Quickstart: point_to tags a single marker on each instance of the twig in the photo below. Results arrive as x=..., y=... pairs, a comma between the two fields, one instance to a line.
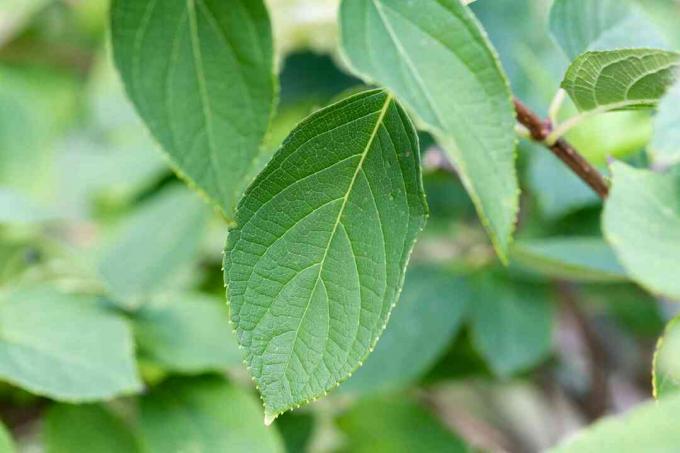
x=540, y=130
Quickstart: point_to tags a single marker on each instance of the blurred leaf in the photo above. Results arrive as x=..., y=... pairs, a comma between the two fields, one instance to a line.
x=212, y=110
x=313, y=274
x=666, y=370
x=87, y=428
x=6, y=443
x=580, y=25
x=296, y=430
x=187, y=333
x=447, y=73
x=641, y=221
x=18, y=208
x=14, y=14
x=665, y=146
x=65, y=347
x=570, y=258
x=511, y=323
x=632, y=308
x=395, y=425
x=160, y=238
x=650, y=427
x=620, y=79
x=204, y=414
x=422, y=325
x=557, y=189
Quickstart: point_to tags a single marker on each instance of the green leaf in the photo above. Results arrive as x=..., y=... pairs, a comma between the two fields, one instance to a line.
x=18, y=208
x=511, y=323
x=206, y=415
x=650, y=427
x=620, y=79
x=87, y=428
x=665, y=146
x=580, y=259
x=580, y=25
x=317, y=258
x=438, y=61
x=64, y=346
x=14, y=14
x=389, y=425
x=422, y=325
x=187, y=333
x=6, y=443
x=154, y=244
x=666, y=370
x=297, y=430
x=200, y=73
x=641, y=222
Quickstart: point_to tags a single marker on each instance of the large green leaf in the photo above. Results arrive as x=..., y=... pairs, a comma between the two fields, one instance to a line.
x=200, y=73
x=204, y=415
x=86, y=428
x=435, y=57
x=642, y=224
x=422, y=325
x=395, y=424
x=316, y=260
x=6, y=443
x=666, y=370
x=511, y=323
x=580, y=25
x=65, y=347
x=620, y=79
x=665, y=145
x=570, y=258
x=650, y=427
x=186, y=333
x=156, y=242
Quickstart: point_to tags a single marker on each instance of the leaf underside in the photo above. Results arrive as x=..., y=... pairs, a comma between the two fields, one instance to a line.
x=316, y=260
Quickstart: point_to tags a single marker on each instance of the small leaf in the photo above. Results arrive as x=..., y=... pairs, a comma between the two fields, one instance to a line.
x=641, y=222
x=389, y=425
x=317, y=258
x=42, y=352
x=204, y=415
x=576, y=258
x=620, y=79
x=580, y=25
x=422, y=325
x=154, y=244
x=200, y=73
x=187, y=333
x=6, y=443
x=666, y=370
x=650, y=427
x=665, y=145
x=446, y=72
x=91, y=428
x=511, y=324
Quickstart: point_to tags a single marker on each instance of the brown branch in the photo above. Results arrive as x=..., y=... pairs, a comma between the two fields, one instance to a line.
x=540, y=130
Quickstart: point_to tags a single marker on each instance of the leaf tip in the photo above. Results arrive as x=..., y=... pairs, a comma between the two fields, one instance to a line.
x=269, y=418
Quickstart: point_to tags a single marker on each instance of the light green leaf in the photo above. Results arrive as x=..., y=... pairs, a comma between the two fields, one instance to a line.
x=511, y=324
x=438, y=61
x=204, y=415
x=154, y=244
x=666, y=370
x=14, y=14
x=571, y=258
x=6, y=443
x=665, y=145
x=390, y=425
x=87, y=428
x=18, y=208
x=620, y=79
x=422, y=325
x=200, y=73
x=580, y=25
x=317, y=258
x=650, y=427
x=65, y=347
x=187, y=333
x=641, y=222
